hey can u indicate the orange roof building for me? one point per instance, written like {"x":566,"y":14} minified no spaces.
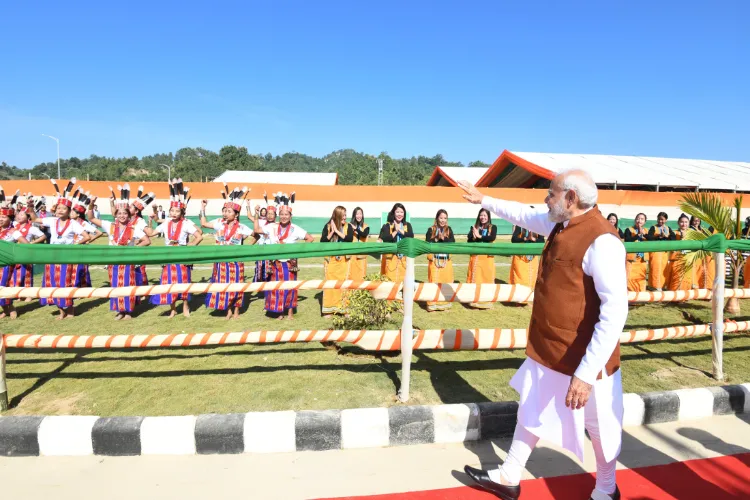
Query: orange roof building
{"x":638,"y":173}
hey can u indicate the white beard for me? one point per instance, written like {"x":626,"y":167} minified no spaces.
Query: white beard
{"x":558,"y":213}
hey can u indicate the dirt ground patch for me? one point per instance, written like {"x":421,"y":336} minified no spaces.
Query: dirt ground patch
{"x":41,"y":404}
{"x":679,"y":372}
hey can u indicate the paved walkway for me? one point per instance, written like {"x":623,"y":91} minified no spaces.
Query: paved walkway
{"x":348,"y":473}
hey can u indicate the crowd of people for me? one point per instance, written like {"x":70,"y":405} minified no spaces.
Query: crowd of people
{"x":657,"y":271}
{"x":75,"y":220}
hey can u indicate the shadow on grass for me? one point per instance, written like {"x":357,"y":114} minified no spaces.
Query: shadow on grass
{"x":44,"y":378}
{"x":680,"y":342}
{"x":218,"y":313}
{"x":27,"y":307}
{"x":699,"y":306}
{"x":195,"y":302}
{"x":145,"y":357}
{"x":88,"y":305}
{"x":448,"y":384}
{"x":672,"y":324}
{"x":198,"y":301}
{"x":668,"y":356}
{"x":390,"y":371}
{"x":430,"y":366}
{"x":345,"y":349}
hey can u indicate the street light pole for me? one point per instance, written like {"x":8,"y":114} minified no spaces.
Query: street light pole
{"x":169,"y":171}
{"x":58,"y":153}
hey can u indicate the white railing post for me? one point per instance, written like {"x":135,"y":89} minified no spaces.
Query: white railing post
{"x":407,"y":331}
{"x":3,"y":385}
{"x":717,"y":329}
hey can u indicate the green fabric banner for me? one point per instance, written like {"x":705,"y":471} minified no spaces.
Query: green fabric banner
{"x":741,"y":245}
{"x":414,"y":247}
{"x":13,"y":253}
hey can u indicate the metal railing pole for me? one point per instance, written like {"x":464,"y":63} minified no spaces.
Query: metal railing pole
{"x":3,"y":384}
{"x":407,"y":331}
{"x":717,"y":329}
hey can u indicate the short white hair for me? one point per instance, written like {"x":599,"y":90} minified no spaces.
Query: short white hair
{"x":583,"y":184}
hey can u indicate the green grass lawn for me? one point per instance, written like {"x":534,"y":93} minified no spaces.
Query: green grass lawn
{"x":312,"y":376}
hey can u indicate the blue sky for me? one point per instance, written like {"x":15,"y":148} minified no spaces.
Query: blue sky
{"x":465,"y":79}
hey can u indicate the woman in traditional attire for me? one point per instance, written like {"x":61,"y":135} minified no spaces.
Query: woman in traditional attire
{"x":615,"y":221}
{"x":177,"y":231}
{"x":336,"y":230}
{"x":136,"y":209}
{"x":282,"y":301}
{"x":63,"y":231}
{"x":524,"y":268}
{"x":41,"y":210}
{"x":264,"y":215}
{"x":679,"y":277}
{"x":228,"y":231}
{"x":78,"y":214}
{"x":23,"y":274}
{"x":658,"y":262}
{"x":40,"y":206}
{"x":482,"y":267}
{"x":394,"y":230}
{"x":636,"y":263}
{"x":123,"y":232}
{"x":12,"y":235}
{"x":440,"y":265}
{"x":358,"y":263}
{"x":696,"y":224}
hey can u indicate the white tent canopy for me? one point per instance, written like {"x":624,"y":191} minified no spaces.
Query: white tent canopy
{"x":652,"y":171}
{"x":470,"y":174}
{"x":450,"y":176}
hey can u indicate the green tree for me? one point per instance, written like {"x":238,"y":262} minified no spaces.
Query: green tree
{"x":197,"y":164}
{"x":479,"y":164}
{"x":8,"y":172}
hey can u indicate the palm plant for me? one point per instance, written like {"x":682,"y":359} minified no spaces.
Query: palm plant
{"x":723,"y":219}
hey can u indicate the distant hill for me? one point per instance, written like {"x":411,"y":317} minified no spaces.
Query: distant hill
{"x":197,"y":164}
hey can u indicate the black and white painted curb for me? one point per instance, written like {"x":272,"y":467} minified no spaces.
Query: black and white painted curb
{"x":285,"y":431}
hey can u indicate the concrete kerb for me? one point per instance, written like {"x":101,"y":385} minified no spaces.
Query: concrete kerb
{"x":285,"y":431}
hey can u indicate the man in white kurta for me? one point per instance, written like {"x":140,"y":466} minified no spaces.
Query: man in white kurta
{"x":554,"y":406}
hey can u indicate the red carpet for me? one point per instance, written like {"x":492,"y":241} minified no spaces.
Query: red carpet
{"x":708,"y":479}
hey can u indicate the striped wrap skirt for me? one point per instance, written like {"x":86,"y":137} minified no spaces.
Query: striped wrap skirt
{"x":123,"y":275}
{"x":82,"y":276}
{"x":141,"y":278}
{"x":226,"y":272}
{"x":173,"y":273}
{"x":6,"y":279}
{"x":280,"y":301}
{"x":18,"y":275}
{"x":59,"y":276}
{"x":261,"y":271}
